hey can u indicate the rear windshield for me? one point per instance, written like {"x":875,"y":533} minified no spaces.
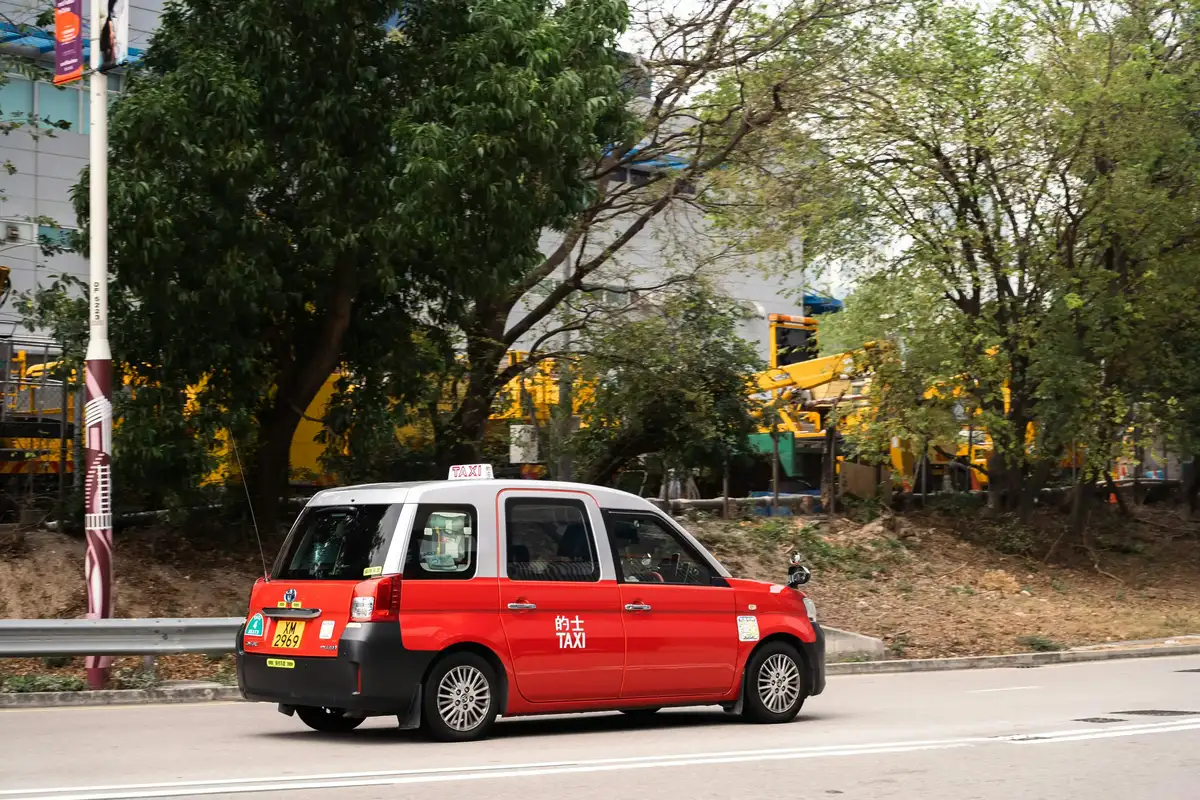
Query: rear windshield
{"x":338,"y":543}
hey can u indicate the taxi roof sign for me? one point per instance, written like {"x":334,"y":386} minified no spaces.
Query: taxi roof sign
{"x":469,"y":472}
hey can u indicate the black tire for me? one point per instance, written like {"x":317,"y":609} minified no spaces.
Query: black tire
{"x":776,"y":684}
{"x":455,"y":689}
{"x":327,"y":720}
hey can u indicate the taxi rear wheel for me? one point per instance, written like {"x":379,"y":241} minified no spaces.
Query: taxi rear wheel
{"x":775,"y":684}
{"x":460,"y":698}
{"x":327,"y":720}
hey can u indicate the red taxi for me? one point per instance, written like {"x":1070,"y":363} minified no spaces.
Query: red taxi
{"x":449,"y":603}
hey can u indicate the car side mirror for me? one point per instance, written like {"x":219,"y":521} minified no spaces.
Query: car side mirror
{"x":798,"y":574}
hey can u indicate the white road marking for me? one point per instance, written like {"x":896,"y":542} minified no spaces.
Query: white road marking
{"x":1084,"y":734}
{"x":349,"y":780}
{"x":1005,"y":689}
{"x":440,"y":775}
{"x":182,"y":705}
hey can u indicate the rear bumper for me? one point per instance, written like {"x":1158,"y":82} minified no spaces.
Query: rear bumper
{"x":814,"y":654}
{"x":372,"y":673}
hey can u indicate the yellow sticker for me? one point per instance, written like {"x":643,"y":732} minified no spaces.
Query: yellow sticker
{"x":297,"y":604}
{"x":369,"y":571}
{"x":282,"y":663}
{"x":281,"y":604}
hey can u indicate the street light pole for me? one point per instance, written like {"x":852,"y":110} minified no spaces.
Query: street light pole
{"x":98,"y":406}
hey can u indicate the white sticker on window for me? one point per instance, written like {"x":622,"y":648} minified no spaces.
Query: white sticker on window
{"x":747,"y":629}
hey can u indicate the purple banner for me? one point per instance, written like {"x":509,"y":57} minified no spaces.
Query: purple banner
{"x":68,"y":41}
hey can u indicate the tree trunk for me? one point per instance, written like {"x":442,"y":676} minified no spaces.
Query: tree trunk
{"x":829,"y":476}
{"x":299,"y":382}
{"x":460,"y":439}
{"x":269,"y":473}
{"x":1192,"y":486}
{"x":774,"y":472}
{"x":1033,"y":489}
{"x":1079,"y":507}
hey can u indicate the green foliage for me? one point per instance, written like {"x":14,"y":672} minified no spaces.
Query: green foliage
{"x":23,"y":684}
{"x":1040,"y":644}
{"x":134,"y":678}
{"x":274,"y":218}
{"x":1032,"y":171}
{"x":669,"y":382}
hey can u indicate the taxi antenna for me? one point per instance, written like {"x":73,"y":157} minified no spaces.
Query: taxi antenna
{"x":250,"y":503}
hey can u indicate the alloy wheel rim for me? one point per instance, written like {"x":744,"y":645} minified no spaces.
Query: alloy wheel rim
{"x":779,"y":683}
{"x":463,"y":698}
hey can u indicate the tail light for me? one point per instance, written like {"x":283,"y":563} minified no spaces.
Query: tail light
{"x":376,"y":600}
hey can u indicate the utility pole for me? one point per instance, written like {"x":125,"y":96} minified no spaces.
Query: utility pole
{"x":98,"y":415}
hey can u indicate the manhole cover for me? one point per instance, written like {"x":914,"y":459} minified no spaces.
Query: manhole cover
{"x":1026,"y":666}
{"x":1099,"y":719}
{"x":1188,"y":670}
{"x":1157,"y":713}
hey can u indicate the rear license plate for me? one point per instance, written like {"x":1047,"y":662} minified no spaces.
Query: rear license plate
{"x":288,"y":633}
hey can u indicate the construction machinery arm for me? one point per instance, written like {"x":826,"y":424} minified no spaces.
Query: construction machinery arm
{"x":805,"y":374}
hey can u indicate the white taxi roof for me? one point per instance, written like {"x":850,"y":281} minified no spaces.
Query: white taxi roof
{"x":483,"y":491}
{"x":411,"y":492}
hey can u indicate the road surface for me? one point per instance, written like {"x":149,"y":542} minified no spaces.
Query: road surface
{"x":1050,"y":732}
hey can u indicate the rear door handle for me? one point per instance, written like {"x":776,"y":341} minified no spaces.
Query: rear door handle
{"x":522,"y":606}
{"x":637,"y":607}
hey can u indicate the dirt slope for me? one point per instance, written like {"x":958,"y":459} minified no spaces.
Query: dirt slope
{"x":928,"y":592}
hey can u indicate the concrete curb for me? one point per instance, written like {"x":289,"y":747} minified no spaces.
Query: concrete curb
{"x":120,"y":697}
{"x":846,"y":644}
{"x":1001,"y":662}
{"x":212,"y":692}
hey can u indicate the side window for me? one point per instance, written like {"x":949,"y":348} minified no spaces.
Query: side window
{"x":549,"y":540}
{"x":647,"y":551}
{"x":443,"y":544}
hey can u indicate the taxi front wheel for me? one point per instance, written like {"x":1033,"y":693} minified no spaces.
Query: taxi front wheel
{"x":459,"y":698}
{"x":775,"y":686}
{"x":327,"y":720}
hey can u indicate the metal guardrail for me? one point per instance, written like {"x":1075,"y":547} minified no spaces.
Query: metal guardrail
{"x":29,"y":638}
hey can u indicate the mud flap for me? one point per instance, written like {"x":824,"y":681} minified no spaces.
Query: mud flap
{"x":411,"y":719}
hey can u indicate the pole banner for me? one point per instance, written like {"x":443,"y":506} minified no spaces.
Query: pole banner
{"x":114,"y":36}
{"x":68,"y":41}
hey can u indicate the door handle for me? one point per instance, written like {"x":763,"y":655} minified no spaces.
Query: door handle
{"x":522,"y":606}
{"x":637,"y":607}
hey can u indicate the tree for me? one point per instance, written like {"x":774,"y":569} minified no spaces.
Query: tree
{"x":293,"y":188}
{"x":1029,"y":168}
{"x":670,"y":382}
{"x":650,"y":177}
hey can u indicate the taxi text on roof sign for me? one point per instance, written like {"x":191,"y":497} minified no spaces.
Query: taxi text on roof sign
{"x":463,"y":472}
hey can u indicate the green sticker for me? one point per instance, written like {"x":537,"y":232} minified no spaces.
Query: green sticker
{"x":255,"y":626}
{"x":369,"y":571}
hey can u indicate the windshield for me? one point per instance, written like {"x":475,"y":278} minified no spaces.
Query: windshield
{"x":338,"y":543}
